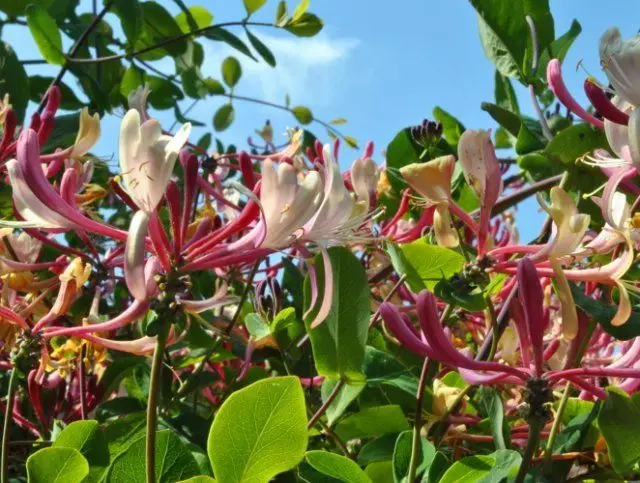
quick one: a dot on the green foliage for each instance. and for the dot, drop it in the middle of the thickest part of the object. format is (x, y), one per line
(88, 439)
(372, 422)
(619, 421)
(14, 80)
(57, 465)
(402, 456)
(259, 431)
(46, 34)
(336, 466)
(224, 116)
(231, 71)
(339, 342)
(423, 264)
(484, 468)
(302, 114)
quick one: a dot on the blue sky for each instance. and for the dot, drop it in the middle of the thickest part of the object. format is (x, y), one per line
(381, 65)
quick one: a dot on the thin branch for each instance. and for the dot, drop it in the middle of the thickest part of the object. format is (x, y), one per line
(323, 409)
(165, 42)
(534, 68)
(74, 49)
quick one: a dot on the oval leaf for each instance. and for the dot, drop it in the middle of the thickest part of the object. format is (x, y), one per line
(231, 71)
(336, 466)
(262, 49)
(302, 114)
(253, 5)
(57, 465)
(259, 432)
(223, 118)
(46, 34)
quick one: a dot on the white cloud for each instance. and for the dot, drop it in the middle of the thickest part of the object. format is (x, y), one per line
(308, 69)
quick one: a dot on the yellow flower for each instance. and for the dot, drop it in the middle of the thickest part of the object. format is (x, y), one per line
(88, 133)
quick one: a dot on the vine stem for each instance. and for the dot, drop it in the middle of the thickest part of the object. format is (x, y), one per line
(417, 423)
(13, 383)
(535, 428)
(81, 383)
(152, 402)
(323, 409)
(556, 422)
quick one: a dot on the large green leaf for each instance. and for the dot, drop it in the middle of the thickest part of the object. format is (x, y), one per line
(505, 34)
(575, 142)
(259, 431)
(46, 34)
(336, 466)
(452, 129)
(425, 265)
(491, 404)
(401, 151)
(484, 468)
(57, 465)
(338, 343)
(619, 422)
(174, 461)
(13, 80)
(158, 25)
(558, 48)
(504, 93)
(402, 456)
(231, 71)
(372, 422)
(86, 437)
(346, 395)
(130, 15)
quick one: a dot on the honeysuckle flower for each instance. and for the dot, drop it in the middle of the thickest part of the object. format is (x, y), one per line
(619, 60)
(138, 100)
(88, 133)
(5, 106)
(147, 158)
(364, 178)
(432, 180)
(482, 172)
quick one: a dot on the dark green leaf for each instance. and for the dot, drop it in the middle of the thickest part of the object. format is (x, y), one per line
(307, 25)
(222, 35)
(38, 86)
(259, 431)
(505, 95)
(214, 87)
(603, 314)
(347, 394)
(379, 449)
(204, 142)
(132, 79)
(14, 80)
(130, 15)
(338, 342)
(491, 405)
(402, 456)
(224, 116)
(158, 25)
(262, 49)
(559, 47)
(575, 142)
(200, 15)
(401, 151)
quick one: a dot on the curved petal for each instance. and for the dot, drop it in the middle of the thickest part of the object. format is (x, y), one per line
(134, 255)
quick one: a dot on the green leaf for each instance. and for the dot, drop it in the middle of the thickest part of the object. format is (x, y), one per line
(401, 151)
(439, 465)
(379, 449)
(214, 87)
(307, 25)
(463, 297)
(46, 34)
(282, 16)
(507, 119)
(402, 456)
(86, 437)
(338, 343)
(428, 264)
(174, 461)
(452, 129)
(505, 95)
(383, 368)
(300, 10)
(558, 48)
(351, 142)
(380, 471)
(199, 479)
(222, 35)
(262, 49)
(575, 142)
(259, 432)
(336, 466)
(202, 17)
(158, 25)
(257, 326)
(231, 71)
(132, 79)
(619, 422)
(14, 80)
(484, 468)
(224, 116)
(302, 114)
(130, 15)
(253, 5)
(122, 433)
(347, 394)
(491, 404)
(505, 34)
(526, 138)
(372, 422)
(57, 465)
(603, 314)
